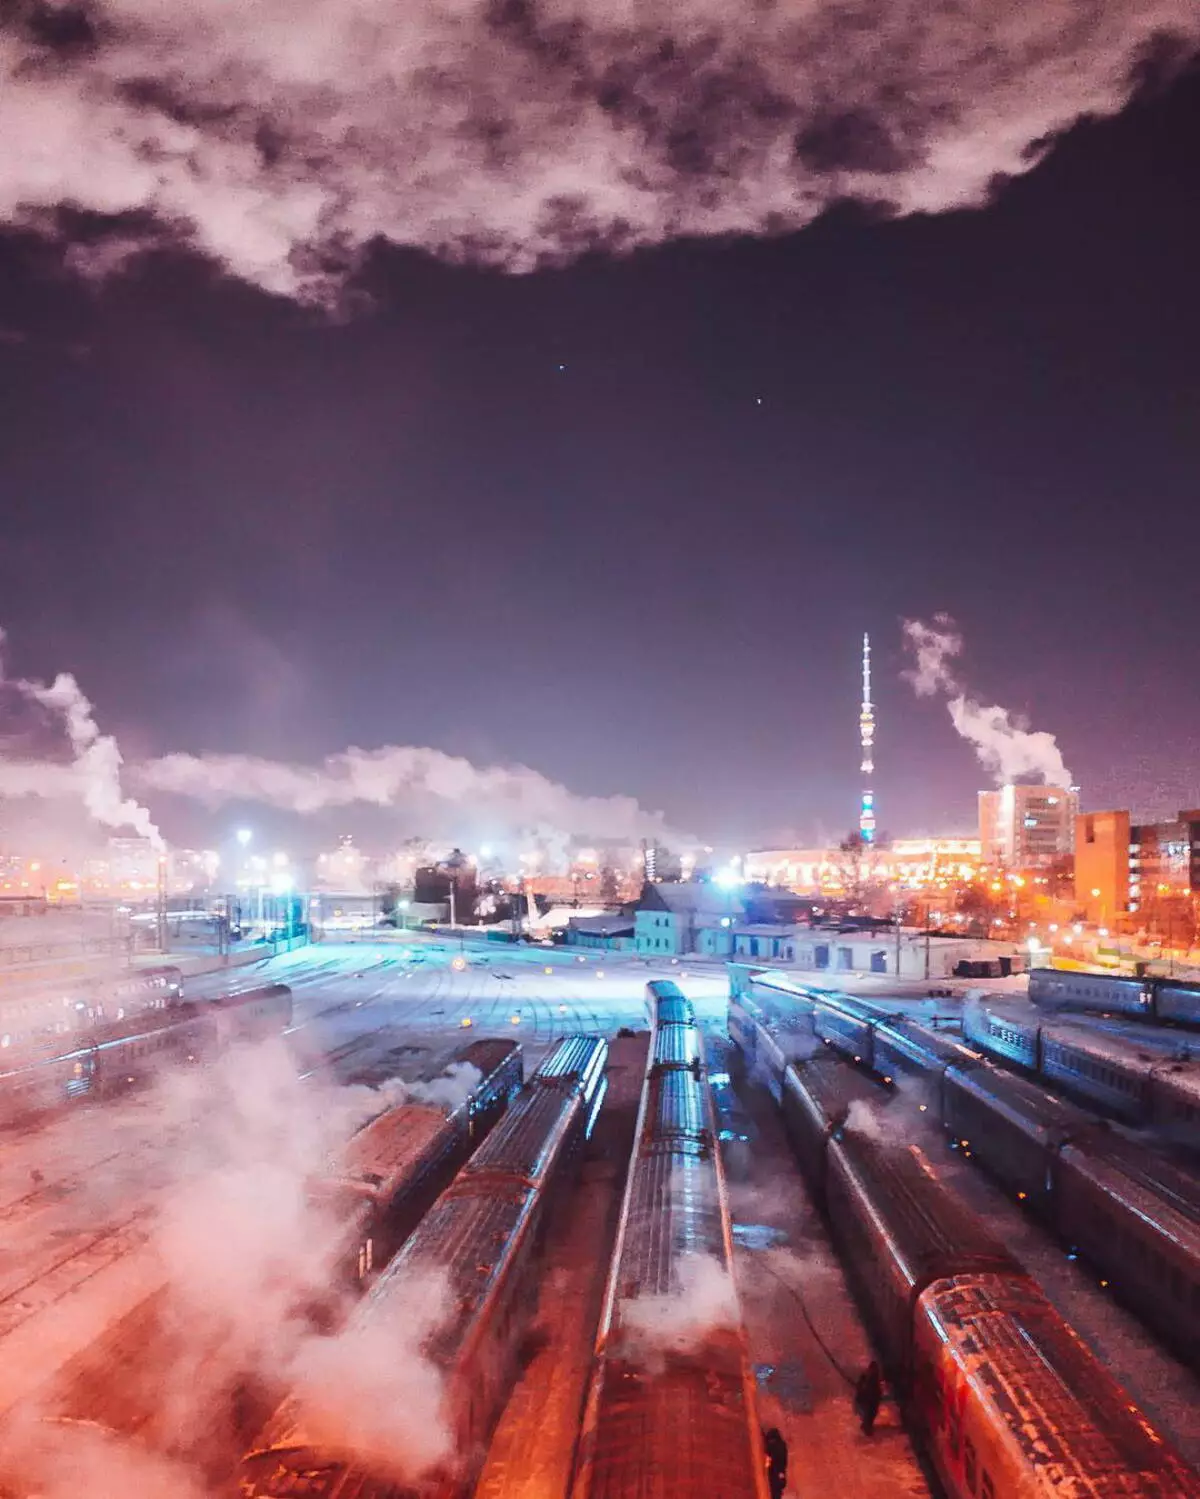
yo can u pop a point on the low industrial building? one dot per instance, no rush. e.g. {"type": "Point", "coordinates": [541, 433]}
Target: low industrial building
{"type": "Point", "coordinates": [610, 931]}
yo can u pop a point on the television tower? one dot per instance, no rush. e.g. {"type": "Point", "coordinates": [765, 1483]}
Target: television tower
{"type": "Point", "coordinates": [866, 733]}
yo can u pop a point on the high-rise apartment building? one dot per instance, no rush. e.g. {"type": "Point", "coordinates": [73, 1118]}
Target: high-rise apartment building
{"type": "Point", "coordinates": [1024, 827]}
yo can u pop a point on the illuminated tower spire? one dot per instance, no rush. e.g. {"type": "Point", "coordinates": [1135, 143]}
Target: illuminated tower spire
{"type": "Point", "coordinates": [866, 732]}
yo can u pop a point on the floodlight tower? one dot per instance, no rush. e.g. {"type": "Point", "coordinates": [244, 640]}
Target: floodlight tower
{"type": "Point", "coordinates": [866, 733]}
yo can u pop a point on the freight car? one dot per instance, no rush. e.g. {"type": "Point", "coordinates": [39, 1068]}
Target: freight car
{"type": "Point", "coordinates": [394, 1168]}
{"type": "Point", "coordinates": [654, 1407]}
{"type": "Point", "coordinates": [1145, 1084]}
{"type": "Point", "coordinates": [1005, 1397]}
{"type": "Point", "coordinates": [481, 1237]}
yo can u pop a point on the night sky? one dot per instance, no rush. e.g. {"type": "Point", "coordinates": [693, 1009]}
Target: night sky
{"type": "Point", "coordinates": [625, 521]}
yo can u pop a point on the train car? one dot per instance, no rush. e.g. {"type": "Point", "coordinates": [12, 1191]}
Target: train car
{"type": "Point", "coordinates": [32, 1084]}
{"type": "Point", "coordinates": [1063, 989]}
{"type": "Point", "coordinates": [1176, 1001]}
{"type": "Point", "coordinates": [817, 1098]}
{"type": "Point", "coordinates": [395, 1166]}
{"type": "Point", "coordinates": [1100, 1069]}
{"type": "Point", "coordinates": [1010, 1032]}
{"type": "Point", "coordinates": [848, 1026]}
{"type": "Point", "coordinates": [1013, 1403]}
{"type": "Point", "coordinates": [252, 1015]}
{"type": "Point", "coordinates": [1136, 1219]}
{"type": "Point", "coordinates": [501, 1069]}
{"type": "Point", "coordinates": [656, 1407]}
{"type": "Point", "coordinates": [481, 1237]}
{"type": "Point", "coordinates": [1013, 1127]}
{"type": "Point", "coordinates": [125, 1061]}
{"type": "Point", "coordinates": [908, 1053]}
{"type": "Point", "coordinates": [900, 1230]}
{"type": "Point", "coordinates": [666, 1004]}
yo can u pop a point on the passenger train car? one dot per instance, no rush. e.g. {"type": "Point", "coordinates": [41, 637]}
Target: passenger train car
{"type": "Point", "coordinates": [1147, 1082]}
{"type": "Point", "coordinates": [1006, 1398]}
{"type": "Point", "coordinates": [35, 1017]}
{"type": "Point", "coordinates": [1135, 1218]}
{"type": "Point", "coordinates": [1171, 1000]}
{"type": "Point", "coordinates": [129, 1053]}
{"type": "Point", "coordinates": [482, 1236]}
{"type": "Point", "coordinates": [401, 1160]}
{"type": "Point", "coordinates": [665, 1416]}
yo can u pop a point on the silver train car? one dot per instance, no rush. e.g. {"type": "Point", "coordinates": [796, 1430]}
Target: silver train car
{"type": "Point", "coordinates": [1174, 1001]}
{"type": "Point", "coordinates": [1145, 1082]}
{"type": "Point", "coordinates": [481, 1237]}
{"type": "Point", "coordinates": [657, 1406]}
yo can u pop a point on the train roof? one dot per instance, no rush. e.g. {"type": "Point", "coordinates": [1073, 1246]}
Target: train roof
{"type": "Point", "coordinates": [680, 1429]}
{"type": "Point", "coordinates": [522, 1145]}
{"type": "Point", "coordinates": [463, 1239]}
{"type": "Point", "coordinates": [1022, 1103]}
{"type": "Point", "coordinates": [573, 1057]}
{"type": "Point", "coordinates": [676, 1108]}
{"type": "Point", "coordinates": [1072, 1422]}
{"type": "Point", "coordinates": [673, 1215]}
{"type": "Point", "coordinates": [1053, 981]}
{"type": "Point", "coordinates": [487, 1055]}
{"type": "Point", "coordinates": [932, 1233]}
{"type": "Point", "coordinates": [831, 1086]}
{"type": "Point", "coordinates": [391, 1142]}
{"type": "Point", "coordinates": [675, 1046]}
{"type": "Point", "coordinates": [1159, 1190]}
{"type": "Point", "coordinates": [920, 1042]}
{"type": "Point", "coordinates": [664, 989]}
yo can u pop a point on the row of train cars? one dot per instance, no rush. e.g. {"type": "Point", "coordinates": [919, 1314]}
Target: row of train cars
{"type": "Point", "coordinates": [657, 1419]}
{"type": "Point", "coordinates": [1005, 1398]}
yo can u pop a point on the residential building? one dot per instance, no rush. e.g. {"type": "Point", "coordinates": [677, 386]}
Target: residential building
{"type": "Point", "coordinates": [1027, 827]}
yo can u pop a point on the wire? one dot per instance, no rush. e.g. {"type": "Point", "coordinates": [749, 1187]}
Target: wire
{"type": "Point", "coordinates": [820, 1341]}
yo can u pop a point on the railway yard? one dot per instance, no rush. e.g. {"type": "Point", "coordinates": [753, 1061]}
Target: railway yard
{"type": "Point", "coordinates": [440, 1218]}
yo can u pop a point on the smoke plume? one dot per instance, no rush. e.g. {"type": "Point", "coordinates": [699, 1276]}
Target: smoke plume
{"type": "Point", "coordinates": [281, 139]}
{"type": "Point", "coordinates": [93, 774]}
{"type": "Point", "coordinates": [680, 1320]}
{"type": "Point", "coordinates": [1006, 747]}
{"type": "Point", "coordinates": [400, 776]}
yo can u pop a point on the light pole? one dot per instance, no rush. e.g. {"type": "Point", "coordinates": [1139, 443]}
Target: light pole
{"type": "Point", "coordinates": [402, 907]}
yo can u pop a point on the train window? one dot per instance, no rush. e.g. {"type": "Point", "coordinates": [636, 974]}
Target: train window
{"type": "Point", "coordinates": [970, 1464]}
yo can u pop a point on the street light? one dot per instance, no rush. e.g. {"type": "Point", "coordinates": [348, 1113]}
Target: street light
{"type": "Point", "coordinates": [402, 907]}
{"type": "Point", "coordinates": [244, 836]}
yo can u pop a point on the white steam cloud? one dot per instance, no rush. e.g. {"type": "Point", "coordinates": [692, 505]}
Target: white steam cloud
{"type": "Point", "coordinates": [281, 137]}
{"type": "Point", "coordinates": [93, 775]}
{"type": "Point", "coordinates": [682, 1319]}
{"type": "Point", "coordinates": [1006, 747]}
{"type": "Point", "coordinates": [398, 776]}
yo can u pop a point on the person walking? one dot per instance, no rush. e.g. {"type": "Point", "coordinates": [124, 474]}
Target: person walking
{"type": "Point", "coordinates": [868, 1392]}
{"type": "Point", "coordinates": [777, 1460]}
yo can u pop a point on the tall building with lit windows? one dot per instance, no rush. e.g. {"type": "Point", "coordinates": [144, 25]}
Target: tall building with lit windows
{"type": "Point", "coordinates": [1023, 827]}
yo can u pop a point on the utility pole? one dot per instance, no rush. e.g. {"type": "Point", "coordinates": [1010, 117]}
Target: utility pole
{"type": "Point", "coordinates": [161, 904]}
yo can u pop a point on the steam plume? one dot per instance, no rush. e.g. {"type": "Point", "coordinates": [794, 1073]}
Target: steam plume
{"type": "Point", "coordinates": [281, 137]}
{"type": "Point", "coordinates": [1005, 746]}
{"type": "Point", "coordinates": [395, 776]}
{"type": "Point", "coordinates": [94, 774]}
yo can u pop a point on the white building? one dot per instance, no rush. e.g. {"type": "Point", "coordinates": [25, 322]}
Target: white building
{"type": "Point", "coordinates": [677, 918]}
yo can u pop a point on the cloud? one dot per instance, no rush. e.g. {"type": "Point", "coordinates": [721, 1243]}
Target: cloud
{"type": "Point", "coordinates": [399, 775]}
{"type": "Point", "coordinates": [1004, 744]}
{"type": "Point", "coordinates": [280, 138]}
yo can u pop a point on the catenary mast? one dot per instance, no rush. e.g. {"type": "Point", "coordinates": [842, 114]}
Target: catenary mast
{"type": "Point", "coordinates": [866, 731]}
